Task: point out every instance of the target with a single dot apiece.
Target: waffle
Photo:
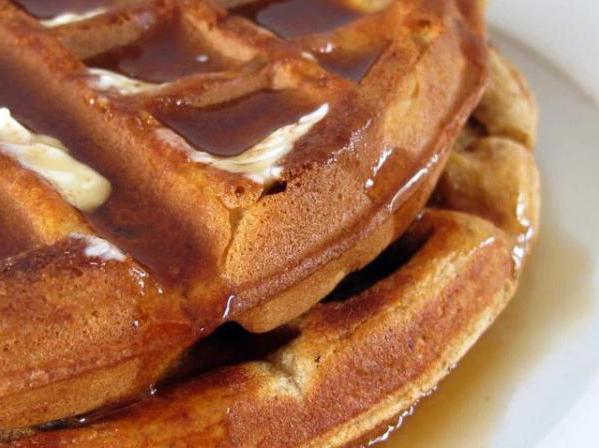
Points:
(349, 368)
(180, 209)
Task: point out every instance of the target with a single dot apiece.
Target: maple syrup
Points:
(470, 402)
(123, 218)
(352, 65)
(229, 128)
(45, 9)
(164, 54)
(296, 18)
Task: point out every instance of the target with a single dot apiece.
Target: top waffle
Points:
(382, 340)
(237, 157)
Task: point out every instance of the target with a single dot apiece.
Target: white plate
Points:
(533, 379)
(557, 403)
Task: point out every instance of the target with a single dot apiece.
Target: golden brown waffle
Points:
(353, 364)
(208, 235)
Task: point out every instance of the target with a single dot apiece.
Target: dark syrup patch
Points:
(295, 18)
(164, 54)
(229, 128)
(132, 218)
(352, 65)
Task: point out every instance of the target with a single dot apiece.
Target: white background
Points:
(564, 31)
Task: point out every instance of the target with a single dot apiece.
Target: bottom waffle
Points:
(383, 339)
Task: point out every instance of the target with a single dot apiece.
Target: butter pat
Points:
(77, 183)
(99, 248)
(260, 161)
(104, 80)
(71, 17)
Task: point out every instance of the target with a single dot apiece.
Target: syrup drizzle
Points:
(472, 401)
(164, 54)
(134, 218)
(123, 219)
(46, 9)
(230, 128)
(350, 65)
(295, 18)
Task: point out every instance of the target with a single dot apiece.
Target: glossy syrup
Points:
(229, 128)
(167, 241)
(46, 9)
(296, 18)
(470, 403)
(352, 65)
(132, 218)
(164, 54)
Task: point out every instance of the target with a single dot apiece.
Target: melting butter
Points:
(104, 80)
(259, 162)
(71, 17)
(99, 248)
(77, 183)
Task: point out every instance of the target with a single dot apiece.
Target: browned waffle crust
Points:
(351, 365)
(205, 245)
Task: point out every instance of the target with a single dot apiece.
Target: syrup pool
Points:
(469, 403)
(540, 357)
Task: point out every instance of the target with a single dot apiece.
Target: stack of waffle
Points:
(232, 223)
